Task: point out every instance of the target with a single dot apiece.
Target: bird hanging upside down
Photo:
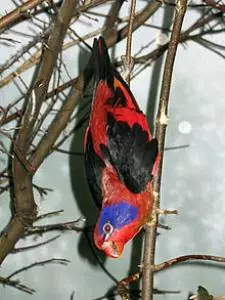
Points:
(121, 157)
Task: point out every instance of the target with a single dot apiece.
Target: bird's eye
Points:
(108, 228)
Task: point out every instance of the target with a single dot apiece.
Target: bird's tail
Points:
(103, 69)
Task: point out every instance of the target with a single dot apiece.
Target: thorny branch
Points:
(52, 227)
(24, 11)
(18, 13)
(112, 39)
(42, 131)
(121, 287)
(16, 283)
(24, 204)
(161, 124)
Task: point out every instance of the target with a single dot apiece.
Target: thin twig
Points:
(216, 5)
(181, 259)
(34, 246)
(42, 263)
(50, 214)
(17, 285)
(18, 13)
(128, 59)
(67, 226)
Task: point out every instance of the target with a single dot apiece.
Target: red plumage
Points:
(120, 157)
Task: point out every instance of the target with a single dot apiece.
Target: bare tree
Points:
(42, 115)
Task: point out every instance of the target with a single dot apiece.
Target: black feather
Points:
(132, 155)
(103, 69)
(94, 166)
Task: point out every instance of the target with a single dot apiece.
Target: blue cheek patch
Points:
(118, 215)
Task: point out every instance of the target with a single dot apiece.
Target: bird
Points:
(120, 155)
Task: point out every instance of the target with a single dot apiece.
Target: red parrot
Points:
(121, 157)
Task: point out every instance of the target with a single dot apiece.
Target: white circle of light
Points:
(184, 127)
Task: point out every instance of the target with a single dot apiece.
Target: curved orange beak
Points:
(112, 249)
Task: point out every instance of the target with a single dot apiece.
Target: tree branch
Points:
(18, 13)
(181, 259)
(161, 124)
(23, 198)
(129, 62)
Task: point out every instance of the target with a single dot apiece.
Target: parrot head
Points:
(117, 224)
(122, 216)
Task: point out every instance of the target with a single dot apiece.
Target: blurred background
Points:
(193, 172)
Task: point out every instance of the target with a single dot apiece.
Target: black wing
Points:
(131, 153)
(94, 166)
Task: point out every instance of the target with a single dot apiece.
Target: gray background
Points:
(193, 183)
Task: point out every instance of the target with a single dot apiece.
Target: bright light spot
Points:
(184, 127)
